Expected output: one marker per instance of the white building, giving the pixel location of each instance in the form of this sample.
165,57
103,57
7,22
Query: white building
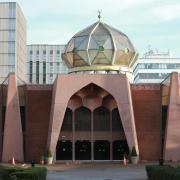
44,62
12,41
155,66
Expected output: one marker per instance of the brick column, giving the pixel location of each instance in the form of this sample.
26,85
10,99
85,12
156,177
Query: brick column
13,136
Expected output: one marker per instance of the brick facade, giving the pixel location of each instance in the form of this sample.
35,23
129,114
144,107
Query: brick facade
147,111
38,104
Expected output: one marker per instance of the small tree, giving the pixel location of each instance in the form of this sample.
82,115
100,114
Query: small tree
48,153
133,152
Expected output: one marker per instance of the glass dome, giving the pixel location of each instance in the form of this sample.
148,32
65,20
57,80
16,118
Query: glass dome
99,47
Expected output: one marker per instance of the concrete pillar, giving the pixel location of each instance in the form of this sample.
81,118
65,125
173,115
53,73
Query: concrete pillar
13,136
172,136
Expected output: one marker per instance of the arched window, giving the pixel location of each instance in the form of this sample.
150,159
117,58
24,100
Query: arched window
67,122
101,119
116,121
82,119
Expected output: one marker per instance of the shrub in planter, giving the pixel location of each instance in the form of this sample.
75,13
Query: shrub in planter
49,158
155,172
17,173
134,156
36,173
5,171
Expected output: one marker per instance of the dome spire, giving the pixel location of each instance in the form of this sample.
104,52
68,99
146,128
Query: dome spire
99,15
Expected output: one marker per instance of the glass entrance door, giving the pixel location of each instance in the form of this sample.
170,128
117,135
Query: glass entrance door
64,150
101,150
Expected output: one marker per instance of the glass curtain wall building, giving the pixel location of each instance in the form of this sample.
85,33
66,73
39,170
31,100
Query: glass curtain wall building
44,62
12,40
155,66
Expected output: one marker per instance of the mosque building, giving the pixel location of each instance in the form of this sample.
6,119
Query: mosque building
94,112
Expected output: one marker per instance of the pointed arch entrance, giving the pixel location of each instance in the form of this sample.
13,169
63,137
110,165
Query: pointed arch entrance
92,127
66,86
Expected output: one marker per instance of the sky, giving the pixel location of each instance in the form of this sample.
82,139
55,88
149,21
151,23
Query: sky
148,23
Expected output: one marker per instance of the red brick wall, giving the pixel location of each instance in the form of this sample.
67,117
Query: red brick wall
38,104
147,111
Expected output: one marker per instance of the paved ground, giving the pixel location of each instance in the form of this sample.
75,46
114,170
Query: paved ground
96,171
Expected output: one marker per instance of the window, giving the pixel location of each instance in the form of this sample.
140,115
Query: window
11,59
11,36
30,67
58,52
153,75
171,66
82,119
11,47
37,71
44,72
51,51
12,10
12,24
30,52
37,52
30,71
101,119
44,52
44,78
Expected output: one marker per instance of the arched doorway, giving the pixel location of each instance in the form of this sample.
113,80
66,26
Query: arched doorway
95,130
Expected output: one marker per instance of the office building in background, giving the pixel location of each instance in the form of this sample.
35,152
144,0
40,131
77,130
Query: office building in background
12,41
44,62
155,66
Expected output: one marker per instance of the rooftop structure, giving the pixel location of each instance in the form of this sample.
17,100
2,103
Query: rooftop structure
155,66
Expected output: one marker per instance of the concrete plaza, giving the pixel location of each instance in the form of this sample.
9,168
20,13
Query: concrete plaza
97,171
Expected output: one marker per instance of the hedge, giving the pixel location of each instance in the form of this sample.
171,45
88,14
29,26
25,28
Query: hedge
155,172
17,173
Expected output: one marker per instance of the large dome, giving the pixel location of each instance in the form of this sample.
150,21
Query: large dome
99,47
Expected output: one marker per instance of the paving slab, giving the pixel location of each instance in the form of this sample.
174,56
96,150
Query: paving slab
97,172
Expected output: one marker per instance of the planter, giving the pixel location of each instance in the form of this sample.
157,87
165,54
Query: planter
134,159
49,160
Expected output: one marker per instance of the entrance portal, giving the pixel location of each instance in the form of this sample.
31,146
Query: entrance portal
83,150
64,150
120,148
92,127
101,150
